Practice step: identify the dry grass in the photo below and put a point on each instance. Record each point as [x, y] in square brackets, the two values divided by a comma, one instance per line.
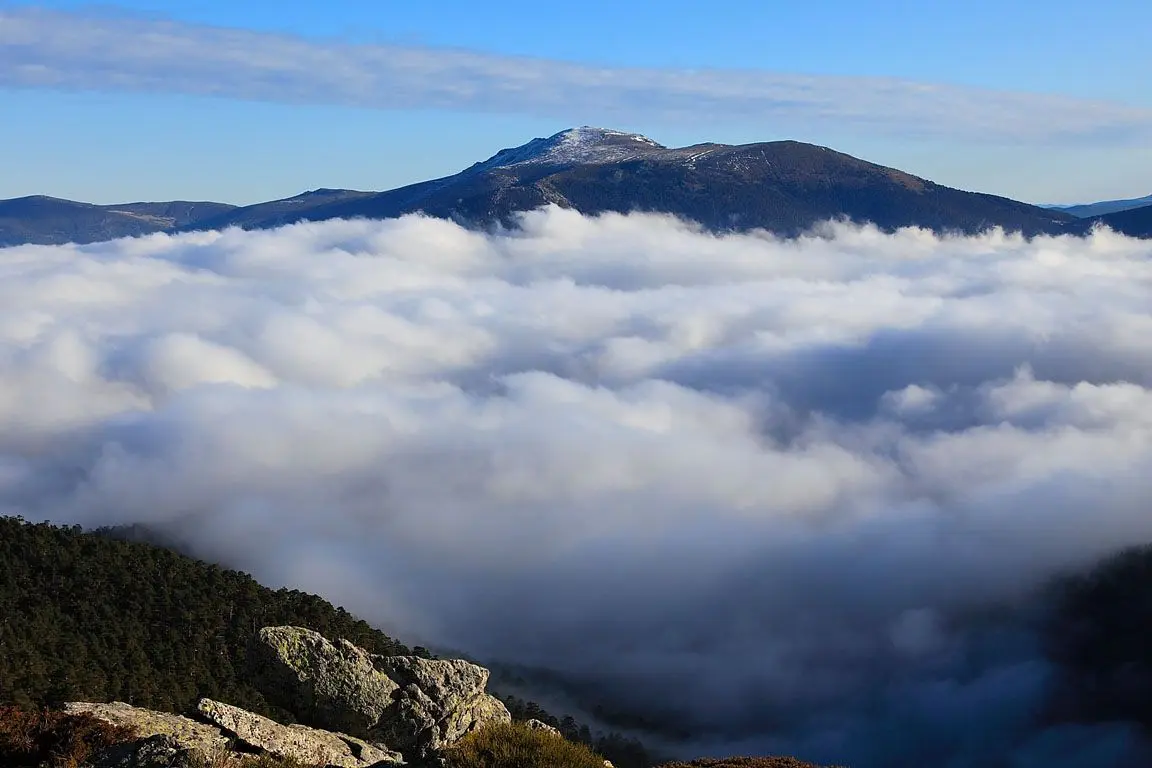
[514, 745]
[53, 739]
[231, 760]
[50, 739]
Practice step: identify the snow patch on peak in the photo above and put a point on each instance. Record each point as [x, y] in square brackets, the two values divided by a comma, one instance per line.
[576, 146]
[587, 135]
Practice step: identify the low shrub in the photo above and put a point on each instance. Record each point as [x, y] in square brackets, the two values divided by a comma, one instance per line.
[260, 761]
[515, 745]
[52, 739]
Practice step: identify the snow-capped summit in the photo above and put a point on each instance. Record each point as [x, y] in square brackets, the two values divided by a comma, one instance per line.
[785, 187]
[575, 146]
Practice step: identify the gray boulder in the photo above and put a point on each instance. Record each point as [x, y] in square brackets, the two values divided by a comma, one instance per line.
[228, 737]
[328, 685]
[413, 705]
[537, 725]
[164, 740]
[438, 703]
[153, 752]
[308, 746]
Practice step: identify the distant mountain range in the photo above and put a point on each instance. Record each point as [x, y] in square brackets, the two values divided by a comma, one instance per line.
[1136, 222]
[1088, 210]
[782, 186]
[50, 220]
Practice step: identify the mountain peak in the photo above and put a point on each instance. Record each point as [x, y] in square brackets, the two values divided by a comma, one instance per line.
[575, 146]
[589, 135]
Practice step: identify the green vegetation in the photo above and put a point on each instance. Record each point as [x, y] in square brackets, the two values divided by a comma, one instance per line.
[515, 745]
[47, 739]
[52, 739]
[90, 618]
[624, 752]
[112, 617]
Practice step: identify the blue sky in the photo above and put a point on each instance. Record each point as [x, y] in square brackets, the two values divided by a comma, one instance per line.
[1040, 101]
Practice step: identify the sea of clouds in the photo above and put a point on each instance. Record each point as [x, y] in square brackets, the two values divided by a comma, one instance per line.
[779, 494]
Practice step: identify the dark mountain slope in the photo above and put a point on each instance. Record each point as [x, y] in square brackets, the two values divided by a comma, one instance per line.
[1088, 210]
[277, 212]
[1098, 637]
[52, 221]
[1136, 222]
[783, 186]
[88, 617]
[177, 213]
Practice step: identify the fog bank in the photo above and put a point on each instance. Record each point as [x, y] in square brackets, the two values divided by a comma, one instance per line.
[786, 495]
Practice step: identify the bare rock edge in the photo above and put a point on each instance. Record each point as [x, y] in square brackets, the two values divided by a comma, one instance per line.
[360, 710]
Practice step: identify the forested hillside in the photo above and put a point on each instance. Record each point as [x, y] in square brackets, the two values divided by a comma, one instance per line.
[86, 617]
[100, 617]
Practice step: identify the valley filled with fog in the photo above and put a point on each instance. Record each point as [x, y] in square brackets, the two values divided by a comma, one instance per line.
[782, 496]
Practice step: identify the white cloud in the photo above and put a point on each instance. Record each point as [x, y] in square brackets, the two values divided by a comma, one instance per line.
[85, 51]
[758, 486]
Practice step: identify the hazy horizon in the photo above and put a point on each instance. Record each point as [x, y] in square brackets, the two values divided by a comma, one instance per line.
[148, 100]
[296, 192]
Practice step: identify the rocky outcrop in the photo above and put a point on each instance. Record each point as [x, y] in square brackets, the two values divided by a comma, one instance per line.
[438, 703]
[414, 705]
[537, 725]
[329, 685]
[227, 734]
[361, 710]
[162, 739]
[153, 752]
[309, 746]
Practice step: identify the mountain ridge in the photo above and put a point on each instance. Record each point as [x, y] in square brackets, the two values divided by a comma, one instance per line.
[1103, 207]
[1133, 222]
[786, 187]
[46, 220]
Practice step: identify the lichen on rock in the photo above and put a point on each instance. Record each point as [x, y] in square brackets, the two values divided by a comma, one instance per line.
[328, 685]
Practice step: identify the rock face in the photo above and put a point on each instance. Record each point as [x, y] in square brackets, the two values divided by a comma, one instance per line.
[309, 746]
[164, 739]
[173, 741]
[438, 703]
[329, 685]
[153, 752]
[398, 709]
[416, 706]
[537, 725]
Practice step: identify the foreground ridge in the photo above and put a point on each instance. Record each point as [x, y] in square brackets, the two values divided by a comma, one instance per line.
[401, 710]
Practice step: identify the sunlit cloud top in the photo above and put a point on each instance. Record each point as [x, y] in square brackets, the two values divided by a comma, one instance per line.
[771, 492]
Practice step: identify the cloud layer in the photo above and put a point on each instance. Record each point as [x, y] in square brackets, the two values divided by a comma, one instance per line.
[46, 49]
[775, 493]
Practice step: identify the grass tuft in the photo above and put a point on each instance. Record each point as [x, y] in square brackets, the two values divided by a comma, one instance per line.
[514, 745]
